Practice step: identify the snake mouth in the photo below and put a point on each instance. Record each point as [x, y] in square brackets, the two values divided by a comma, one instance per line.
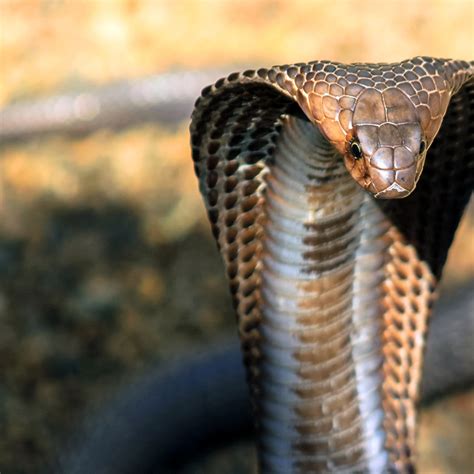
[394, 191]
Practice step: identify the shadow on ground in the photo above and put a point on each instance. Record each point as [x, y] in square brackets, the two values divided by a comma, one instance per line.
[85, 302]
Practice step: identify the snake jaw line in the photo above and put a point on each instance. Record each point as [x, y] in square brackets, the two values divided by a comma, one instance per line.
[394, 191]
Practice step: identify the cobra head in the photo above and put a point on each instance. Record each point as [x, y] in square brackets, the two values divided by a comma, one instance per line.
[387, 151]
[383, 132]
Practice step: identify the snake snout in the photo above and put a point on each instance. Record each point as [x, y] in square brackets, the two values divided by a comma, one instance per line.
[394, 191]
[390, 135]
[393, 172]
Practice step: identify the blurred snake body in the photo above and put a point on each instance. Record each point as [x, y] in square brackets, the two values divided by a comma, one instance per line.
[333, 276]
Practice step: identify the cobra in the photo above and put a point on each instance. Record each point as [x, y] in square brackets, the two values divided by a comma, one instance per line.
[333, 277]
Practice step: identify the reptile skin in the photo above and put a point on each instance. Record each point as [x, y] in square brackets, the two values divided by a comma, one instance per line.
[332, 286]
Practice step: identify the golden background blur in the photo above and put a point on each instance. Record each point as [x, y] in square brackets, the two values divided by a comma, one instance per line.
[101, 236]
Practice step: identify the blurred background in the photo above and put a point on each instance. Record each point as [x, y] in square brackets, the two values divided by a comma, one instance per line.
[107, 266]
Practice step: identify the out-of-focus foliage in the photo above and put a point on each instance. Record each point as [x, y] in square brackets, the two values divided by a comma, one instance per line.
[106, 265]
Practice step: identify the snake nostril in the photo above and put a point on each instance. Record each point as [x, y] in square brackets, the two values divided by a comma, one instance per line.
[406, 178]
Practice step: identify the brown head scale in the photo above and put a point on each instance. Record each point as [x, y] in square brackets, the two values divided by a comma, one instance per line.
[381, 117]
[387, 150]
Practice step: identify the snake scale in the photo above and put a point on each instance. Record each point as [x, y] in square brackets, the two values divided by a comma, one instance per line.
[333, 277]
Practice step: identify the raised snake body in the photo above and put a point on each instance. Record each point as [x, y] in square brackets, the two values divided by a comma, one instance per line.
[333, 288]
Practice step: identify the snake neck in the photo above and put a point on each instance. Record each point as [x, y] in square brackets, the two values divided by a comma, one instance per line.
[324, 241]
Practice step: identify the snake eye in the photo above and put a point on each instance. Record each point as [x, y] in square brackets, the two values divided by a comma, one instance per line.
[355, 149]
[422, 146]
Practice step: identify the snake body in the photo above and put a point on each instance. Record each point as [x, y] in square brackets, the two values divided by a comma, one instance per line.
[202, 403]
[333, 287]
